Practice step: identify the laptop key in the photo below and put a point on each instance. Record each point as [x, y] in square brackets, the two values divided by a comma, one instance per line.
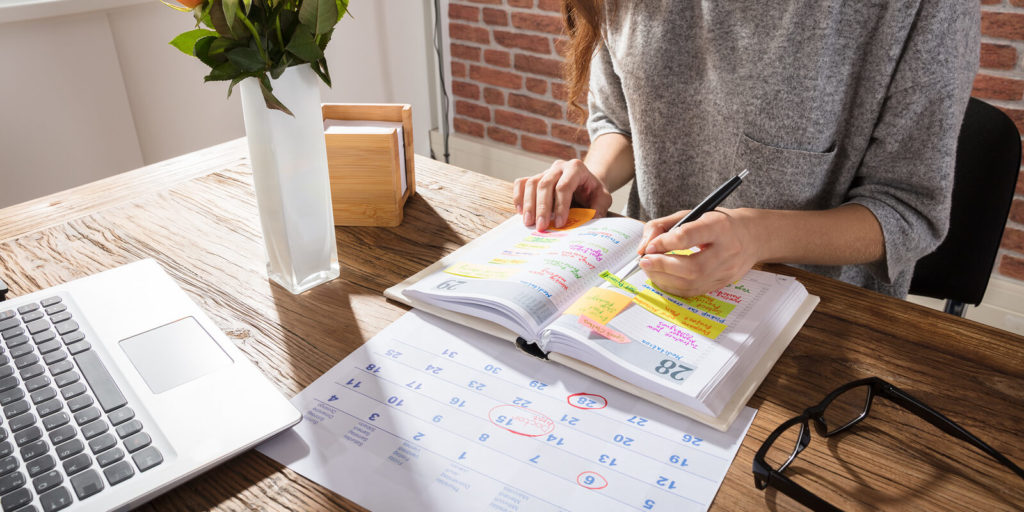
[56, 420]
[87, 484]
[62, 434]
[129, 428]
[11, 482]
[37, 383]
[32, 371]
[13, 332]
[43, 337]
[25, 360]
[119, 472]
[59, 317]
[55, 356]
[91, 430]
[60, 367]
[19, 407]
[27, 436]
[79, 347]
[102, 443]
[9, 323]
[73, 337]
[56, 499]
[50, 301]
[147, 458]
[8, 464]
[41, 465]
[66, 327]
[33, 316]
[80, 402]
[11, 395]
[4, 315]
[36, 326]
[22, 422]
[73, 390]
[6, 448]
[111, 456]
[87, 415]
[42, 395]
[55, 308]
[16, 499]
[77, 463]
[6, 370]
[70, 448]
[47, 481]
[20, 351]
[66, 378]
[49, 346]
[137, 442]
[7, 383]
[49, 407]
[107, 393]
[33, 450]
[17, 341]
[121, 415]
[28, 308]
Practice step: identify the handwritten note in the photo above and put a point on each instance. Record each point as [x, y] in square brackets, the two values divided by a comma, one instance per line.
[600, 304]
[481, 270]
[603, 330]
[679, 315]
[619, 283]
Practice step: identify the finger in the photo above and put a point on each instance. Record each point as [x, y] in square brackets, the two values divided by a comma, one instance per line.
[529, 200]
[545, 195]
[703, 231]
[685, 276]
[564, 190]
[655, 227]
[517, 194]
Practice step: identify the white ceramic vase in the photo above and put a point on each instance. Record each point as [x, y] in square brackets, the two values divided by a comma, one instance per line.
[289, 166]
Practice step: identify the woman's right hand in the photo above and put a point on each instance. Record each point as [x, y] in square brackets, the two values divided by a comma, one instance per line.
[544, 199]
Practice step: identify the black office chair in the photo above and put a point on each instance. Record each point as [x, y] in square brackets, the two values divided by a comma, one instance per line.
[987, 164]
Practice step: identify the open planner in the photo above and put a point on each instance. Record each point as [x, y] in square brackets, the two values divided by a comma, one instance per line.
[555, 294]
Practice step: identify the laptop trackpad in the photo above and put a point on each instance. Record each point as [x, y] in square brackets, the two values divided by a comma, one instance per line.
[174, 354]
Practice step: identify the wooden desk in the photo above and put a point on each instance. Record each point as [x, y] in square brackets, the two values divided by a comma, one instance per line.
[197, 216]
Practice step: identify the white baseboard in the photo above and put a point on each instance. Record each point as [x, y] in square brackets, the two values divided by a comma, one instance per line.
[1003, 306]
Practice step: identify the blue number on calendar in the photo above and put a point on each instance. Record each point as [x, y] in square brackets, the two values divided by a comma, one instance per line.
[538, 385]
[395, 401]
[558, 441]
[503, 420]
[572, 420]
[457, 402]
[372, 368]
[438, 418]
[638, 421]
[484, 437]
[418, 436]
[623, 440]
[677, 460]
[392, 353]
[535, 459]
[462, 456]
[354, 383]
[666, 482]
[521, 402]
[414, 385]
[490, 368]
[649, 504]
[607, 459]
[374, 416]
[688, 439]
[449, 353]
[433, 369]
[479, 386]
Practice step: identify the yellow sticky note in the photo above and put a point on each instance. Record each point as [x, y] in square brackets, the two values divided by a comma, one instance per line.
[481, 271]
[577, 217]
[704, 303]
[679, 315]
[600, 304]
[619, 283]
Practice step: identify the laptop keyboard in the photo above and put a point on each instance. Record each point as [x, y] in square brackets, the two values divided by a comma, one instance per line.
[67, 432]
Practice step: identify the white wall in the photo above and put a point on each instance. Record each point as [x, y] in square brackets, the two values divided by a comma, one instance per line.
[84, 95]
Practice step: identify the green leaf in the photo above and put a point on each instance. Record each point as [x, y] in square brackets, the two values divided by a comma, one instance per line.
[278, 69]
[203, 51]
[220, 23]
[224, 71]
[186, 41]
[319, 15]
[247, 59]
[268, 96]
[235, 81]
[223, 44]
[248, 5]
[342, 8]
[320, 67]
[303, 46]
[230, 9]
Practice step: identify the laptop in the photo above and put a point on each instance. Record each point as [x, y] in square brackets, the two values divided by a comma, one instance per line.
[116, 387]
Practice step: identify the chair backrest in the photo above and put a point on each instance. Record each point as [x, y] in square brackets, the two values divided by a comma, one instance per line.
[987, 163]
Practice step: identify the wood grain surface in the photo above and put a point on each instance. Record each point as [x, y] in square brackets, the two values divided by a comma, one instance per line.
[197, 216]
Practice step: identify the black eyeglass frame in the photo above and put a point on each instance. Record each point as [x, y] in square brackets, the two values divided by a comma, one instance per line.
[765, 475]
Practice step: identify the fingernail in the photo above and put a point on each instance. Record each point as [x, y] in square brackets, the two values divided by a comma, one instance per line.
[644, 262]
[542, 223]
[528, 219]
[519, 209]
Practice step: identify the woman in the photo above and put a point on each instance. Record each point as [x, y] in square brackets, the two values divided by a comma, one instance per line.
[846, 114]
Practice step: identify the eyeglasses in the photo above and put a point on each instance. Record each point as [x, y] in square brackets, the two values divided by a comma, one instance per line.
[838, 411]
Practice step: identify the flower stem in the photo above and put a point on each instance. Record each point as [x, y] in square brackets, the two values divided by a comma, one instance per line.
[255, 35]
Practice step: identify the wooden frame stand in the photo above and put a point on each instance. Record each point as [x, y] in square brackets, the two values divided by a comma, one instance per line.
[365, 168]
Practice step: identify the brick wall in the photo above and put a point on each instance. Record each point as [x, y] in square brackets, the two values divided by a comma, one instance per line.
[506, 83]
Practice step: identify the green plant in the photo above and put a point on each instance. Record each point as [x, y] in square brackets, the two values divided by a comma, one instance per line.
[260, 39]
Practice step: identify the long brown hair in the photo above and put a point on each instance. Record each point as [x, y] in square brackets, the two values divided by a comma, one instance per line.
[582, 20]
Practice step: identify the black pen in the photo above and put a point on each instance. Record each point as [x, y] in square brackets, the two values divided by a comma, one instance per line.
[709, 203]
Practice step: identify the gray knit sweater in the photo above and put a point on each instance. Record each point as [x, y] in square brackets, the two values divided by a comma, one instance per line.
[826, 102]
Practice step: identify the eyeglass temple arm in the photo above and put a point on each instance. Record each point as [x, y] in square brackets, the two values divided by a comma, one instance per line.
[948, 426]
[798, 493]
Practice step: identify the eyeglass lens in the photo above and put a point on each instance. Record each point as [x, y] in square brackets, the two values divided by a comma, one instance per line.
[785, 447]
[847, 408]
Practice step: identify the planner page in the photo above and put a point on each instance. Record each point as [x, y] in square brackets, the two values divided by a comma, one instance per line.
[430, 415]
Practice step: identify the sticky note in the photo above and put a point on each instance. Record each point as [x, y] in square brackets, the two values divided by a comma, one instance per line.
[704, 303]
[600, 304]
[603, 330]
[577, 217]
[619, 283]
[481, 271]
[679, 315]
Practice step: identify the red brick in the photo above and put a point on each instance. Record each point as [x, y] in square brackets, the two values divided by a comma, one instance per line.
[499, 58]
[468, 127]
[537, 22]
[493, 96]
[464, 32]
[463, 12]
[550, 148]
[465, 90]
[1015, 3]
[1017, 211]
[539, 65]
[534, 105]
[558, 91]
[990, 87]
[1009, 25]
[561, 46]
[550, 5]
[521, 3]
[574, 134]
[496, 77]
[465, 108]
[496, 17]
[536, 85]
[458, 70]
[465, 52]
[991, 2]
[1020, 185]
[528, 42]
[520, 122]
[1013, 240]
[1009, 266]
[492, 2]
[502, 135]
[995, 56]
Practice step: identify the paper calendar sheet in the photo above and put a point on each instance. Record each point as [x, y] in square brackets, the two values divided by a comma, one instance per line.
[430, 415]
